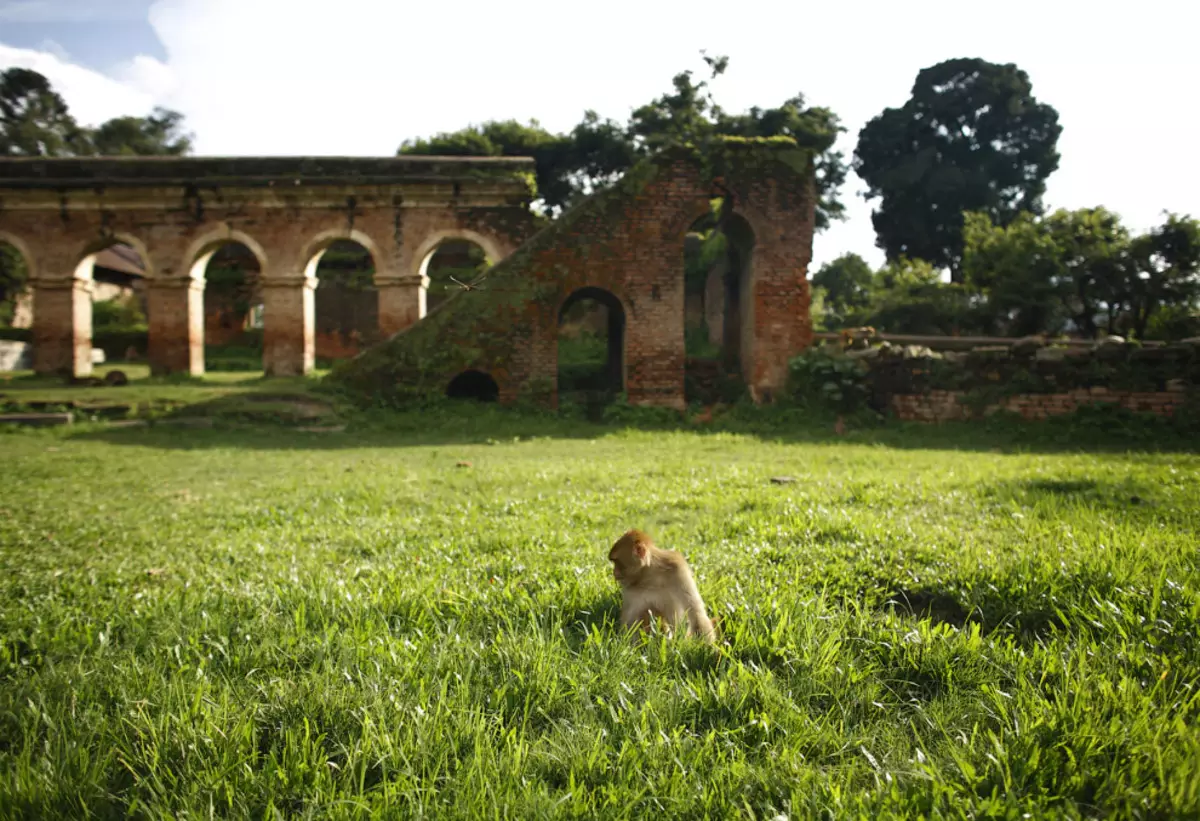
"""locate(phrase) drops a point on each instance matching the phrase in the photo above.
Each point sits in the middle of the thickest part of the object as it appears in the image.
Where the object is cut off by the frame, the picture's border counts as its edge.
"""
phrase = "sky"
(356, 77)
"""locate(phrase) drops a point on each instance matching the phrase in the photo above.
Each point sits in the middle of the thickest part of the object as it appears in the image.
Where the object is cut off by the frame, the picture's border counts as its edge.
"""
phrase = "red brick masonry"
(944, 406)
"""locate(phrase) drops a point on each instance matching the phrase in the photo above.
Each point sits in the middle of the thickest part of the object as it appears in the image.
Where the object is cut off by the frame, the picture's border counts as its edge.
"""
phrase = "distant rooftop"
(90, 172)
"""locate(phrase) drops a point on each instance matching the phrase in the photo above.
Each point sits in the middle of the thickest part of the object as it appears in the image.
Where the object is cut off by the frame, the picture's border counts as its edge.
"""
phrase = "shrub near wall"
(1030, 378)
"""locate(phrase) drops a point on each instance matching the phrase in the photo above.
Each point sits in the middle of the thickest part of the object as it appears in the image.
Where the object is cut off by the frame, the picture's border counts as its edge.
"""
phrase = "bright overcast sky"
(358, 76)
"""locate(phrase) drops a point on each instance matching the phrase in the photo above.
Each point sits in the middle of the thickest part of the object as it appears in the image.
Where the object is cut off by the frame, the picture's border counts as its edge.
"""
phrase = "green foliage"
(1166, 262)
(13, 278)
(159, 134)
(1084, 268)
(821, 378)
(846, 283)
(121, 313)
(35, 122)
(507, 138)
(597, 152)
(938, 308)
(972, 137)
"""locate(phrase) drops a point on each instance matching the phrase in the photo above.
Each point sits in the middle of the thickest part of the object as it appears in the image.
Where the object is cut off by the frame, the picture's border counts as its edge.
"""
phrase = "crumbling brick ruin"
(623, 247)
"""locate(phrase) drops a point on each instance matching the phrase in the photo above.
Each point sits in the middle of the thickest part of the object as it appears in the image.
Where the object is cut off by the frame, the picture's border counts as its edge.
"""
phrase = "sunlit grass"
(350, 625)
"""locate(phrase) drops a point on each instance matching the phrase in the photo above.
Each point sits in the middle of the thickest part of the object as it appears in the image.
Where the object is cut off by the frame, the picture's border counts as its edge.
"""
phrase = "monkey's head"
(630, 555)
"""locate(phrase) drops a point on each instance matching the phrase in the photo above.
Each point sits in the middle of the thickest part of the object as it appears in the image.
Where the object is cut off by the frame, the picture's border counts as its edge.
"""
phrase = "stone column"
(176, 316)
(62, 326)
(401, 301)
(289, 325)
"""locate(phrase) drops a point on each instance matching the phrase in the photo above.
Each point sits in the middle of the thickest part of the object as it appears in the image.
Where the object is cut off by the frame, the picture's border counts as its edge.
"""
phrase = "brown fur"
(657, 584)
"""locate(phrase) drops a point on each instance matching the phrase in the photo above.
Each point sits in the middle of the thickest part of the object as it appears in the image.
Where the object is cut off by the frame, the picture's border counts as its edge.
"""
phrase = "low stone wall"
(945, 406)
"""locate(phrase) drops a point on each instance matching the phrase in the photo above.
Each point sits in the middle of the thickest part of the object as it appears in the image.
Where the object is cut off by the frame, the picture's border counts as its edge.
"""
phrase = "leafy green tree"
(972, 137)
(34, 120)
(1166, 262)
(1017, 268)
(846, 283)
(1093, 254)
(598, 151)
(159, 134)
(552, 153)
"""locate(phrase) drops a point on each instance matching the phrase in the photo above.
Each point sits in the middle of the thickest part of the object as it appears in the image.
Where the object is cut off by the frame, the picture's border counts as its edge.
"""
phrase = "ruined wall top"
(65, 173)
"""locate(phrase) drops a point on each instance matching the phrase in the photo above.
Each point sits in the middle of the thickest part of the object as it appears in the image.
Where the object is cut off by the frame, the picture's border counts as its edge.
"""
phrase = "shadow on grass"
(489, 425)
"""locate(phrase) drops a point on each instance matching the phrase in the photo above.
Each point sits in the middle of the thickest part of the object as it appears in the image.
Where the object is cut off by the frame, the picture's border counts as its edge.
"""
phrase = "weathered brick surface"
(945, 406)
(627, 242)
(62, 338)
(286, 210)
(175, 311)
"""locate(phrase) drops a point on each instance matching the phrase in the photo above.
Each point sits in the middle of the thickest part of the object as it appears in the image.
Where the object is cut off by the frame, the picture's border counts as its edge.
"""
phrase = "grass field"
(265, 622)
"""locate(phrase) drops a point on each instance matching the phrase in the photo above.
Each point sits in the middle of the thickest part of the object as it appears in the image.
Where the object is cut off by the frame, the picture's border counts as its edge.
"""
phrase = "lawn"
(262, 622)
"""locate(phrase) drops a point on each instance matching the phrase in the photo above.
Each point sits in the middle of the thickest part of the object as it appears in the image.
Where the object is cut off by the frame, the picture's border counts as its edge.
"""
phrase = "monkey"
(657, 583)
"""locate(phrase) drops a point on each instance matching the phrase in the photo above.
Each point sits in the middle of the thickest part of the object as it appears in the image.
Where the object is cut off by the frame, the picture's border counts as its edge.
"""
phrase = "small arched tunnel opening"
(591, 347)
(449, 266)
(16, 300)
(119, 302)
(347, 301)
(232, 341)
(718, 325)
(474, 385)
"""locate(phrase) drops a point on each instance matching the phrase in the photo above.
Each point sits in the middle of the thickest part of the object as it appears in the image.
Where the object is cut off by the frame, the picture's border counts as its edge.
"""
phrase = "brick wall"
(945, 406)
(629, 242)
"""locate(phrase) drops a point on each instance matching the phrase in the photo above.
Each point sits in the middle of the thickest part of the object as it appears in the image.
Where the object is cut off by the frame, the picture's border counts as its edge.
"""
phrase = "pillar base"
(289, 325)
(176, 309)
(401, 301)
(62, 326)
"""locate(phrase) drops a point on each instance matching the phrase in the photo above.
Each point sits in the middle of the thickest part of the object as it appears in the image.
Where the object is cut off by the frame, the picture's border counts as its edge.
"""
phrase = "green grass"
(266, 622)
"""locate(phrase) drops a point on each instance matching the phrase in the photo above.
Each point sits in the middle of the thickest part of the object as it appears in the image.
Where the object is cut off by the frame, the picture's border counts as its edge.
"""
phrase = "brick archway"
(611, 378)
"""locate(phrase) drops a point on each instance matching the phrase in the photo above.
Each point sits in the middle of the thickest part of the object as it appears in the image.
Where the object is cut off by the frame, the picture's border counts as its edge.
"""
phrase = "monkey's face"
(628, 558)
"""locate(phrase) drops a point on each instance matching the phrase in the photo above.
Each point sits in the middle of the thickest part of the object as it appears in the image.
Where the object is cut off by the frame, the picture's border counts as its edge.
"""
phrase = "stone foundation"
(945, 406)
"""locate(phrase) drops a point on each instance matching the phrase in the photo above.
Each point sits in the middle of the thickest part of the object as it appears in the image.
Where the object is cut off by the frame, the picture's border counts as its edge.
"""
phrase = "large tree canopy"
(161, 133)
(597, 151)
(846, 283)
(35, 122)
(1082, 267)
(972, 137)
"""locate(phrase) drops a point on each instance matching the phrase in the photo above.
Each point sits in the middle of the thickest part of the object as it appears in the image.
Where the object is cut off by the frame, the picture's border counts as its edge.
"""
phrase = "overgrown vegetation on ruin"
(948, 620)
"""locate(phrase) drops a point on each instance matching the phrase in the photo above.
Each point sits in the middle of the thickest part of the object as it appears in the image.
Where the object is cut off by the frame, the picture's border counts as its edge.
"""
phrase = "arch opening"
(718, 320)
(473, 385)
(16, 300)
(231, 274)
(452, 259)
(591, 347)
(346, 300)
(120, 326)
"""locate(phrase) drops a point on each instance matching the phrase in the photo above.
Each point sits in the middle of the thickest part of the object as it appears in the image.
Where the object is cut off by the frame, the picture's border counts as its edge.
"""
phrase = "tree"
(34, 120)
(846, 283)
(1167, 278)
(598, 151)
(971, 137)
(159, 134)
(507, 138)
(1016, 267)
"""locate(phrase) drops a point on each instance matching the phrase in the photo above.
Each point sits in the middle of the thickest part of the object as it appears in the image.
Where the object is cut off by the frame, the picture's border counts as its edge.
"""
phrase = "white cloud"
(92, 97)
(357, 76)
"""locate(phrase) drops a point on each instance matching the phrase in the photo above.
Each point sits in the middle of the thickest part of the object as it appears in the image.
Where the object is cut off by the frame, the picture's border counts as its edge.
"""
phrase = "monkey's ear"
(639, 549)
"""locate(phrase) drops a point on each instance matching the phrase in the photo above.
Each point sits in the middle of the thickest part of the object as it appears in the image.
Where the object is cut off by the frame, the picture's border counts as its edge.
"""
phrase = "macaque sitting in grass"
(657, 584)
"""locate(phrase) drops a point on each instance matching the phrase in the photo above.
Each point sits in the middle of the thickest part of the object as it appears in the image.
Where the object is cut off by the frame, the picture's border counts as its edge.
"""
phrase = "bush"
(821, 378)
